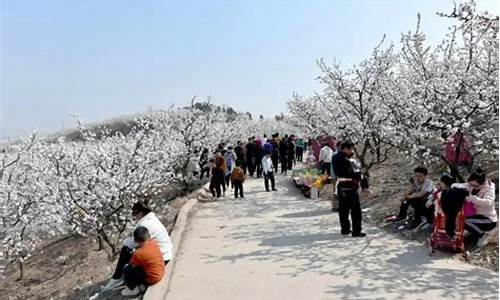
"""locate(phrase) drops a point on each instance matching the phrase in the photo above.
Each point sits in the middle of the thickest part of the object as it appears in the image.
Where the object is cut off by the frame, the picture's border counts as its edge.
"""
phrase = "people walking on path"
(347, 190)
(299, 149)
(283, 153)
(217, 179)
(259, 154)
(238, 178)
(230, 158)
(240, 152)
(275, 156)
(291, 152)
(204, 164)
(251, 156)
(267, 167)
(221, 165)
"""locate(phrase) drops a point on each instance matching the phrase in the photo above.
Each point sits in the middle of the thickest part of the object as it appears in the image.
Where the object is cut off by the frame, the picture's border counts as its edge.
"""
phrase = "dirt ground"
(71, 268)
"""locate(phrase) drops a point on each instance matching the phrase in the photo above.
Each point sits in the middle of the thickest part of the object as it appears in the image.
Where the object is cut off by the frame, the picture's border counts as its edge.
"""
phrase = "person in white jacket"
(482, 196)
(267, 169)
(144, 217)
(325, 159)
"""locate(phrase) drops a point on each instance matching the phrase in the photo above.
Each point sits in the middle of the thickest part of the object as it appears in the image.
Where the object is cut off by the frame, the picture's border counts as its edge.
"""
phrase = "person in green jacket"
(299, 149)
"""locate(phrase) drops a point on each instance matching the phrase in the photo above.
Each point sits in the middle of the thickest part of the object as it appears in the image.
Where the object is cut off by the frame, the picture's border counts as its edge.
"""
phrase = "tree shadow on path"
(305, 235)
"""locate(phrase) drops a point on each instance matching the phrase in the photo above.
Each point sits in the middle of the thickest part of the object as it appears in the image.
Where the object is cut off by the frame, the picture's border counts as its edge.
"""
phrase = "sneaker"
(112, 284)
(268, 190)
(419, 226)
(129, 292)
(275, 190)
(361, 234)
(345, 232)
(415, 225)
(393, 219)
(425, 227)
(483, 241)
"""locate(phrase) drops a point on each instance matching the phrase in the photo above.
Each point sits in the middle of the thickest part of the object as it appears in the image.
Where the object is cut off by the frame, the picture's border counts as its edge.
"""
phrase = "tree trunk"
(100, 245)
(454, 165)
(111, 249)
(21, 271)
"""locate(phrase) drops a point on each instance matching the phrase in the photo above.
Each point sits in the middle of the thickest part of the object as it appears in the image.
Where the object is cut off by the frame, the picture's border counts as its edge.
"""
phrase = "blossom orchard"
(54, 187)
(413, 100)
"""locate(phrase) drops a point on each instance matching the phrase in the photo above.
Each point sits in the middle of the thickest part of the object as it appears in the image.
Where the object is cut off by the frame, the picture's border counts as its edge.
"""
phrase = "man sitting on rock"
(416, 195)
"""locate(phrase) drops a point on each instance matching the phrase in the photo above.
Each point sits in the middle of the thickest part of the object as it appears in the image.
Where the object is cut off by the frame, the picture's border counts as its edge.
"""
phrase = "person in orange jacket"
(146, 267)
(237, 178)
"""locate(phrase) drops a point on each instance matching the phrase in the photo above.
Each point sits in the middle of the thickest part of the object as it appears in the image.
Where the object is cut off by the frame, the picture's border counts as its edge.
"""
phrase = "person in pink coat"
(483, 218)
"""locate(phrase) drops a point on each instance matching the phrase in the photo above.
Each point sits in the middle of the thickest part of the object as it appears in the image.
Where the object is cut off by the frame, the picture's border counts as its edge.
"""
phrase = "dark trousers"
(134, 276)
(259, 170)
(275, 163)
(326, 167)
(251, 166)
(238, 188)
(243, 165)
(477, 225)
(269, 176)
(228, 180)
(284, 164)
(299, 152)
(123, 259)
(290, 161)
(349, 203)
(419, 209)
(223, 185)
(203, 171)
(215, 188)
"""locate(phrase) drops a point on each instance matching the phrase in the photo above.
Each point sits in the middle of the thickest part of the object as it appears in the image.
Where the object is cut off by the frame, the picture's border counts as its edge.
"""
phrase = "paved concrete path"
(283, 246)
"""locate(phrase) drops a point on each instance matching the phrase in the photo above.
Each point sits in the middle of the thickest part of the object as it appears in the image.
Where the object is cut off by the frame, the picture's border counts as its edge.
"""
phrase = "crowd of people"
(262, 157)
(144, 254)
(229, 165)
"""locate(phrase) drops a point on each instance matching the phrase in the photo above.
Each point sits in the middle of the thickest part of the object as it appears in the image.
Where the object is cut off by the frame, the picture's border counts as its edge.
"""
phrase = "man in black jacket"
(347, 190)
(283, 152)
(251, 151)
(239, 150)
(275, 157)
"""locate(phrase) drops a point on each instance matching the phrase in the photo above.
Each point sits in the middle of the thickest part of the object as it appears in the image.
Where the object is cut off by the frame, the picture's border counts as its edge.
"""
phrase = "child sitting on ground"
(146, 266)
(237, 178)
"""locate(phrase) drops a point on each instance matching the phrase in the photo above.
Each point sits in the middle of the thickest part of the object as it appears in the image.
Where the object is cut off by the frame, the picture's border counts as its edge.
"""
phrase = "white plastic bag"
(314, 192)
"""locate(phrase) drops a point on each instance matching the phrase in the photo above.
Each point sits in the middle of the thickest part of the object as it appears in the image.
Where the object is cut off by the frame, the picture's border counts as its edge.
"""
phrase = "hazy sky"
(101, 59)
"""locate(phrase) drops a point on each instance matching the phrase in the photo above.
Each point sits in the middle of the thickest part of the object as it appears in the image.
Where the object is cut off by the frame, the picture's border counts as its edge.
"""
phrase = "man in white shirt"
(268, 170)
(325, 159)
(144, 217)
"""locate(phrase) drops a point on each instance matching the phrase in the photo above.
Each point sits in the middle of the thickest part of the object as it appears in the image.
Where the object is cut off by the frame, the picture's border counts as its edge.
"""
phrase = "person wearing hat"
(144, 217)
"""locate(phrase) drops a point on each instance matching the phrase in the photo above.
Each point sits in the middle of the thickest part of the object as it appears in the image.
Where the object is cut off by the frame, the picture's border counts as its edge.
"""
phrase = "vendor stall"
(310, 181)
